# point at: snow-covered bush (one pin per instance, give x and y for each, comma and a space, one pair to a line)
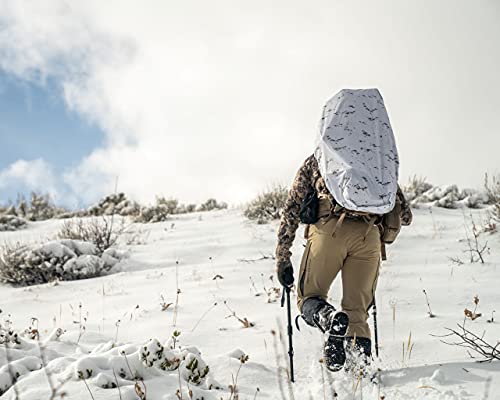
193, 368
212, 204
171, 356
10, 373
148, 361
10, 222
154, 354
115, 204
444, 196
474, 199
416, 187
57, 260
23, 353
268, 205
107, 366
102, 232
493, 191
418, 191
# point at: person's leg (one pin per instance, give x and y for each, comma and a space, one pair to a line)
359, 278
322, 260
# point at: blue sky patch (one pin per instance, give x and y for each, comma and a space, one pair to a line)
35, 123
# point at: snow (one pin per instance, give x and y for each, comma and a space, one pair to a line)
85, 265
55, 249
103, 319
79, 247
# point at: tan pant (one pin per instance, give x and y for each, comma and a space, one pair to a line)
354, 249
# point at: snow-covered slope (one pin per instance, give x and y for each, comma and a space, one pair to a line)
214, 264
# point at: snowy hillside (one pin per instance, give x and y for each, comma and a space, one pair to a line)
207, 277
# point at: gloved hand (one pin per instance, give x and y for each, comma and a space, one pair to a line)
285, 273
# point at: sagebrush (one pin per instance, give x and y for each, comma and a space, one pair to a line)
114, 204
24, 264
103, 232
159, 212
416, 187
164, 208
212, 204
10, 222
268, 205
39, 207
419, 191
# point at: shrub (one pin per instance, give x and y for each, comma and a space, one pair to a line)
493, 191
158, 212
419, 191
268, 205
153, 214
474, 198
211, 204
171, 206
162, 210
100, 232
446, 196
39, 208
9, 211
112, 204
58, 260
11, 222
416, 187
187, 208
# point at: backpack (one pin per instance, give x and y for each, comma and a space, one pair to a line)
356, 152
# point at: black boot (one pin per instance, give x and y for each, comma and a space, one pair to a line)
319, 313
359, 354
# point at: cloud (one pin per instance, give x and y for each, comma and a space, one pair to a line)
24, 176
198, 99
36, 175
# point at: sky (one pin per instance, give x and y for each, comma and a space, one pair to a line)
222, 99
35, 125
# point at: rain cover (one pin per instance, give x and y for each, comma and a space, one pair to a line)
356, 151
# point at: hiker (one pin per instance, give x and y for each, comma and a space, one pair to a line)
348, 195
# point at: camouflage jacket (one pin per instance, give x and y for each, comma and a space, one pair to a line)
309, 175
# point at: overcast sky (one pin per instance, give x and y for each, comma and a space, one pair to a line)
194, 99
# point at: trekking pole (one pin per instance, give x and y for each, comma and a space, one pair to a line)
289, 328
375, 326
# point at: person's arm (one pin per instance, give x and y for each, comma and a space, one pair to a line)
290, 214
406, 214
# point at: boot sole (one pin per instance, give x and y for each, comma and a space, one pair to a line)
339, 324
338, 330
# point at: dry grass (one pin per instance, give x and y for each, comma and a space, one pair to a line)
102, 232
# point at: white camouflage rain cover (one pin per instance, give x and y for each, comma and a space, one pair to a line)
356, 151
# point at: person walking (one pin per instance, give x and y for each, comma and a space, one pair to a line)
348, 195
